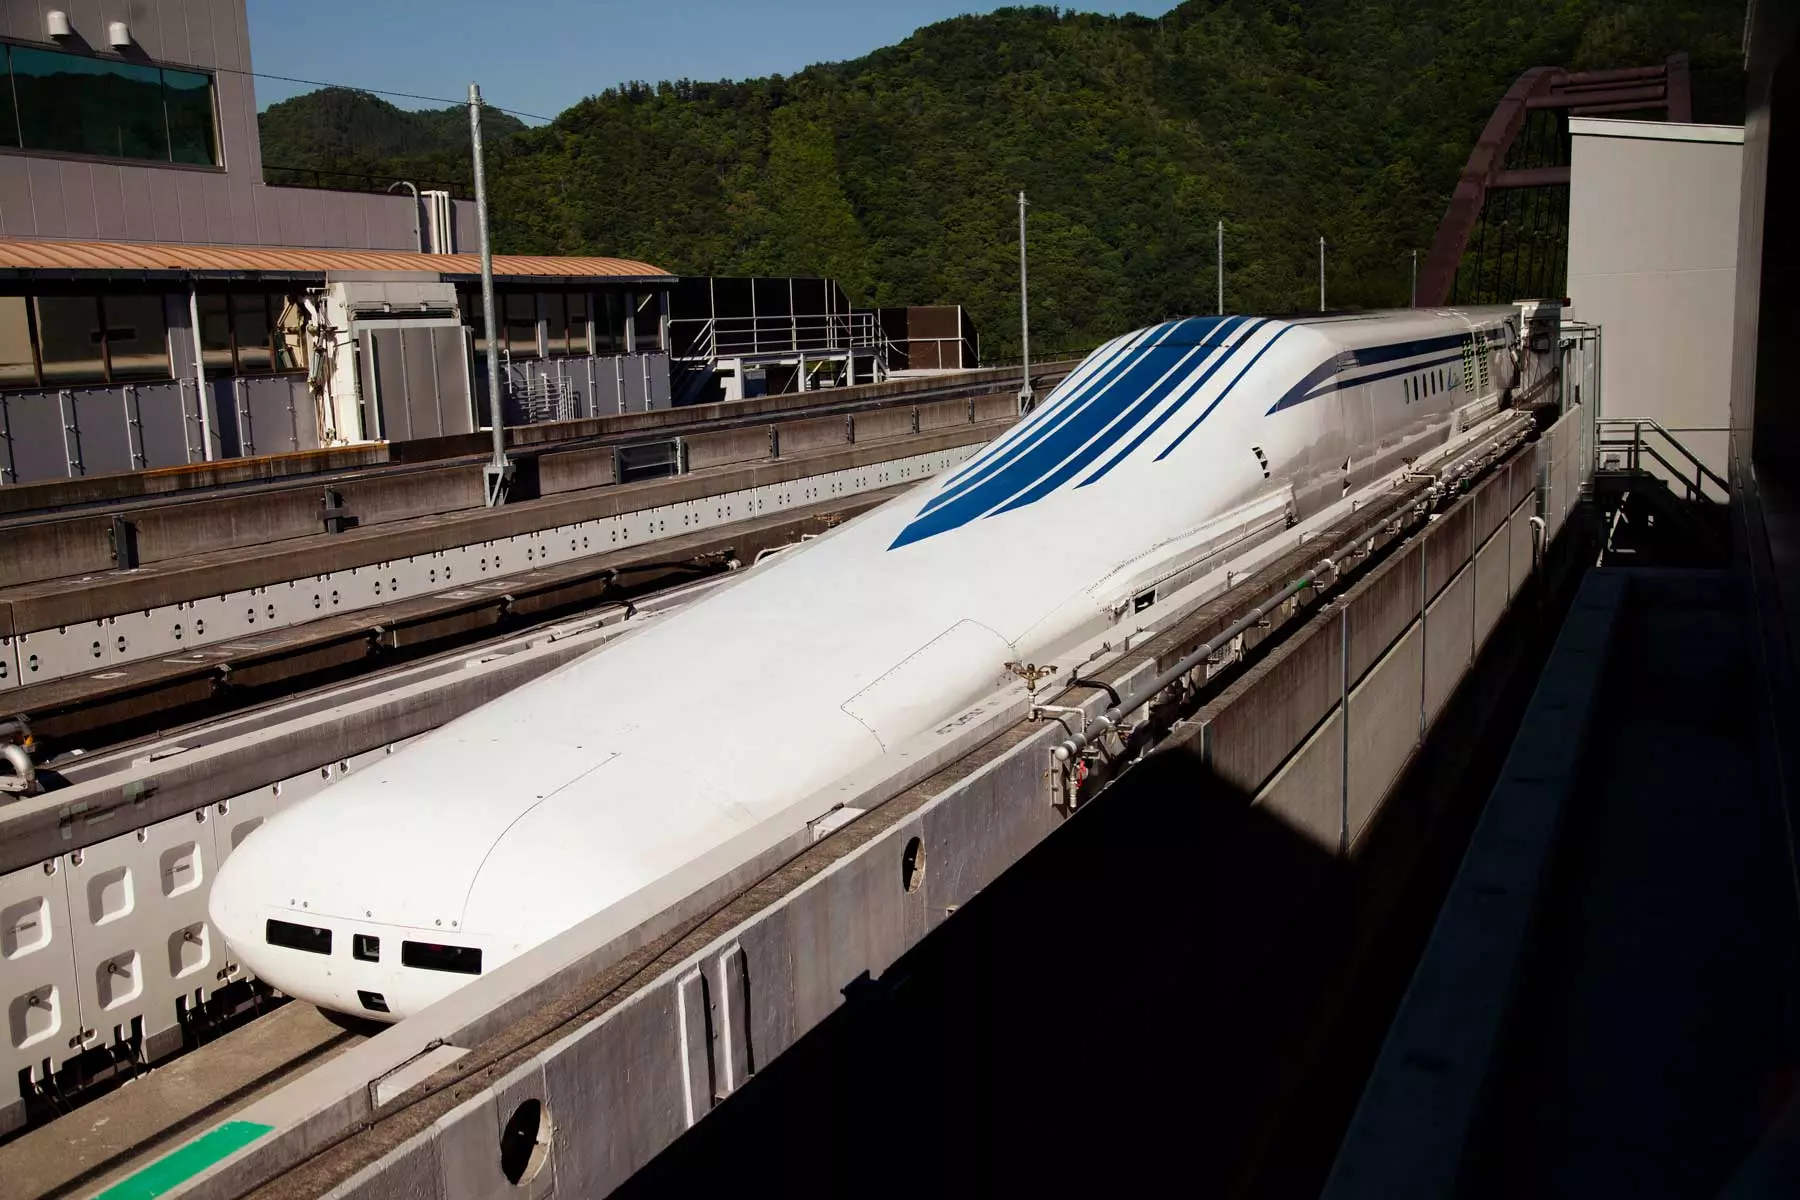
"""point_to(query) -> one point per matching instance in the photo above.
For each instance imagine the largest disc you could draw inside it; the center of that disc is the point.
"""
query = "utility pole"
(1321, 274)
(1027, 400)
(1415, 288)
(1221, 268)
(497, 475)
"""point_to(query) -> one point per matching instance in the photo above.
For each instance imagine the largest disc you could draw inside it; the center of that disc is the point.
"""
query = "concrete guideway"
(69, 627)
(107, 878)
(265, 500)
(697, 1009)
(1602, 1006)
(82, 708)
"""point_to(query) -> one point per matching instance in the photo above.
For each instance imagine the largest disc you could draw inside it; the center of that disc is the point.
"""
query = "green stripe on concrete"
(178, 1166)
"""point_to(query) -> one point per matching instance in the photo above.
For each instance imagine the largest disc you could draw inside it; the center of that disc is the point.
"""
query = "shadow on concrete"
(1174, 991)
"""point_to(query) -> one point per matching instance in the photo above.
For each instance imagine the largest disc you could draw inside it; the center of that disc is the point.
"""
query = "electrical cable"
(352, 87)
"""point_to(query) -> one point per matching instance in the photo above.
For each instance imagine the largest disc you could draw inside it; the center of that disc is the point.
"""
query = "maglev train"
(491, 834)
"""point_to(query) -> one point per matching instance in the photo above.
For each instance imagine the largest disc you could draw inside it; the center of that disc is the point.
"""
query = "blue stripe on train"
(1061, 401)
(1050, 420)
(1219, 360)
(1135, 386)
(1325, 373)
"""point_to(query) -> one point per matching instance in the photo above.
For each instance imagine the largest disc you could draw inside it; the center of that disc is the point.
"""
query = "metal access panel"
(101, 424)
(271, 419)
(138, 912)
(162, 414)
(35, 436)
(37, 980)
(415, 382)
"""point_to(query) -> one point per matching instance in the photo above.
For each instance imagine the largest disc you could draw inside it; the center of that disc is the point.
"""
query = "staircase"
(1659, 504)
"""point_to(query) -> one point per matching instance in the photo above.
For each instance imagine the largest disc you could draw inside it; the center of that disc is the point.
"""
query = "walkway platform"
(1610, 1001)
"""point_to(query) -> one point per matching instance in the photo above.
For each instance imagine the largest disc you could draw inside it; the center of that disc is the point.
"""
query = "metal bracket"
(124, 543)
(496, 480)
(336, 516)
(1066, 779)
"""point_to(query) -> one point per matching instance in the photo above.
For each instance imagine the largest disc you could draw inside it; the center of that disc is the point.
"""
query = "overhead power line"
(356, 87)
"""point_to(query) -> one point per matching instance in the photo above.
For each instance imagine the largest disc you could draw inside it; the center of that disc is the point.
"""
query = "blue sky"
(540, 56)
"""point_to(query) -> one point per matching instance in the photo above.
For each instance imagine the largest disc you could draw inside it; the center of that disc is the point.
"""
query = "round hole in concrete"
(912, 865)
(525, 1143)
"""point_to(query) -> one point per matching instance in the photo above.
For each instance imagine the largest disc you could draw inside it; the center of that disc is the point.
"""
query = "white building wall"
(1653, 210)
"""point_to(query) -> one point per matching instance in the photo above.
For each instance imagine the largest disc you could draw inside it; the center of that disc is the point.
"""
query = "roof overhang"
(44, 258)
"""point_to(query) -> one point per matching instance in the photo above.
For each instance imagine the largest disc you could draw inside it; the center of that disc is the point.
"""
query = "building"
(161, 304)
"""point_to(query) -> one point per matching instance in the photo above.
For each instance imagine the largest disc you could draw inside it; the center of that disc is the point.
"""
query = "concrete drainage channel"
(505, 1083)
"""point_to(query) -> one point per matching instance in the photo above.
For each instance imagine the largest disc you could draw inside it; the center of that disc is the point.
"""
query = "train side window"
(428, 956)
(311, 938)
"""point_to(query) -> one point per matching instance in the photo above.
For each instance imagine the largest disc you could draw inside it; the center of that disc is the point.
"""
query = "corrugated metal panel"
(46, 255)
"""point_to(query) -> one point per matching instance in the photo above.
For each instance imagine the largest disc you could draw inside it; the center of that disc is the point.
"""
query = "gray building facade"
(80, 159)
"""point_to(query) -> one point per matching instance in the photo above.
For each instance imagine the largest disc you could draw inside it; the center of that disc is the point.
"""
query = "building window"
(79, 104)
(18, 365)
(556, 323)
(648, 324)
(609, 324)
(137, 337)
(86, 339)
(518, 313)
(249, 333)
(565, 322)
(468, 300)
(578, 323)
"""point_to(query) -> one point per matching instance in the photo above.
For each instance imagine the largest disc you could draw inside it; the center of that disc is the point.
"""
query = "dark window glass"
(215, 332)
(578, 323)
(610, 324)
(188, 102)
(649, 322)
(311, 938)
(9, 114)
(556, 321)
(518, 313)
(17, 366)
(250, 328)
(80, 104)
(84, 105)
(69, 339)
(427, 956)
(469, 300)
(137, 337)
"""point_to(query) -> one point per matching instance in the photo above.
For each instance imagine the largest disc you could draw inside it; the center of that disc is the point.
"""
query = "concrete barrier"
(814, 434)
(574, 470)
(751, 444)
(937, 414)
(883, 424)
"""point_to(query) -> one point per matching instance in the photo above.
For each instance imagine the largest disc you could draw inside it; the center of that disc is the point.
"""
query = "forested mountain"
(896, 172)
(341, 130)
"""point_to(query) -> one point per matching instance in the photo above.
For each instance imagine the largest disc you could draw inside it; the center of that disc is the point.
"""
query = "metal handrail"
(825, 332)
(1637, 447)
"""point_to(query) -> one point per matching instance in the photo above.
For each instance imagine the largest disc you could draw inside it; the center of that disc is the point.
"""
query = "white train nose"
(346, 901)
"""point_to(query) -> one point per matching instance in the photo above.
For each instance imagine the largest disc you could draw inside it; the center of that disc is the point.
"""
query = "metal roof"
(40, 255)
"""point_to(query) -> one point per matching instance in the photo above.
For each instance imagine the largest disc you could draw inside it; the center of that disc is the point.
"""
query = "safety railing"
(732, 337)
(1635, 443)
